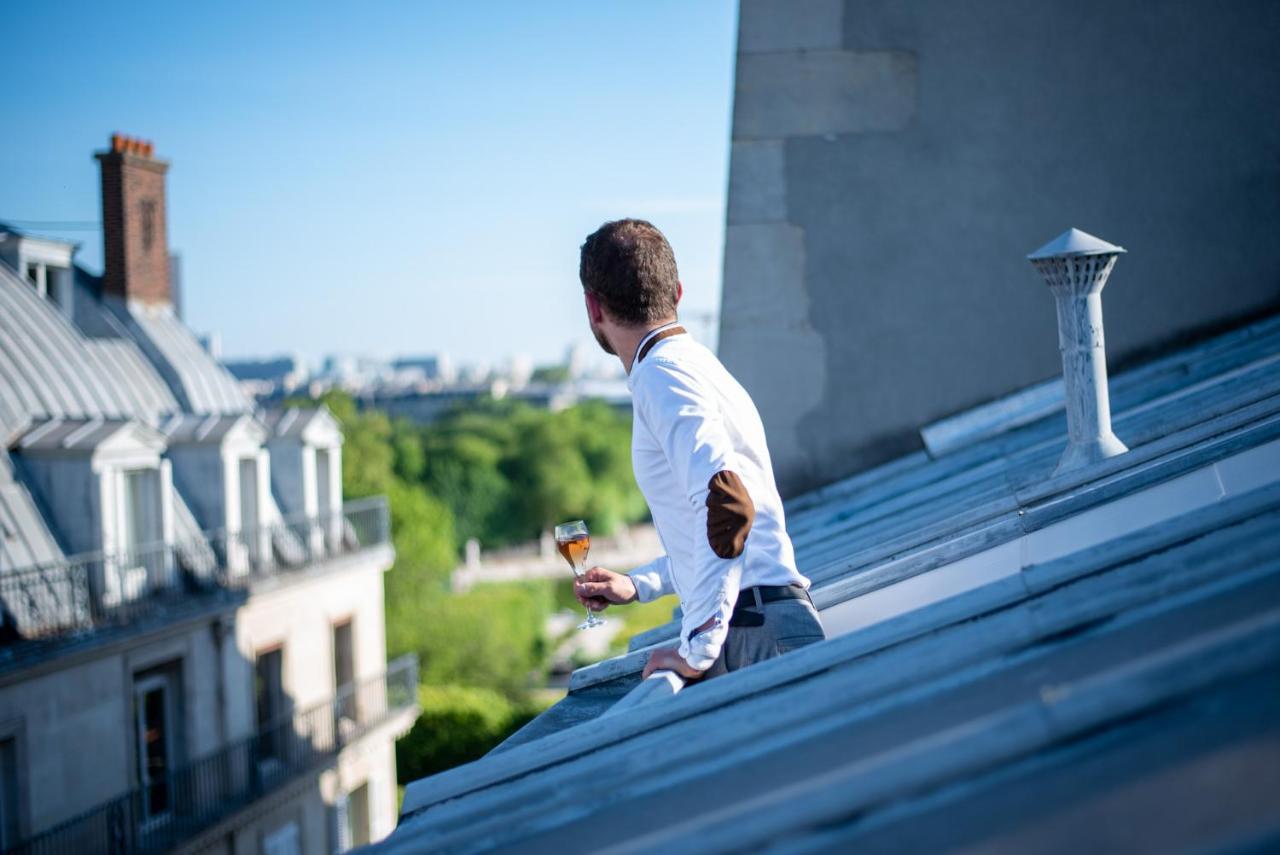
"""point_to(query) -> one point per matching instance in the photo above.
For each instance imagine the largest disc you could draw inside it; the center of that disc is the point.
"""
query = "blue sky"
(383, 178)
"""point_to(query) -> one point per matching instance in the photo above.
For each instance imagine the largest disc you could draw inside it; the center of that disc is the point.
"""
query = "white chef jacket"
(692, 419)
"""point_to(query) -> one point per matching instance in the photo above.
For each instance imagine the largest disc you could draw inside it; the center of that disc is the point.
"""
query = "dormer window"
(113, 468)
(224, 474)
(44, 262)
(306, 472)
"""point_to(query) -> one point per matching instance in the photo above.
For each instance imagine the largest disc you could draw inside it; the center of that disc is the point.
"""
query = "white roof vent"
(1076, 266)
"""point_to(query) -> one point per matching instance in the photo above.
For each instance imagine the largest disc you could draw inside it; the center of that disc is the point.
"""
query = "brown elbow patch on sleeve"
(729, 514)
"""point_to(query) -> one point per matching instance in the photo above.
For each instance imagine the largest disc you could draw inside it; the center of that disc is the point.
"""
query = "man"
(700, 459)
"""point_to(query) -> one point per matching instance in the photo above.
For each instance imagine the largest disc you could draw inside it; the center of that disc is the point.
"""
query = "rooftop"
(1010, 653)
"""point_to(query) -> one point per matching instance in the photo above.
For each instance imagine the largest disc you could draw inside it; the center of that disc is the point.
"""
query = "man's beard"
(602, 341)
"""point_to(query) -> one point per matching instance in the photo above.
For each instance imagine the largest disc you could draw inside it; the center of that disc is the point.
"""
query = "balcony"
(165, 812)
(85, 593)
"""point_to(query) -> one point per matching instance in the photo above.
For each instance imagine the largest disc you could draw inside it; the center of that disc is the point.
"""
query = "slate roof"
(72, 383)
(1015, 657)
(49, 370)
(25, 540)
(188, 427)
(78, 435)
(197, 380)
(293, 422)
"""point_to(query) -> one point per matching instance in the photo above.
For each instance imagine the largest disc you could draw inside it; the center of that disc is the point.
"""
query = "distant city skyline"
(413, 179)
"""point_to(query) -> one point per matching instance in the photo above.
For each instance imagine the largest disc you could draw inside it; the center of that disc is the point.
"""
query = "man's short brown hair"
(629, 266)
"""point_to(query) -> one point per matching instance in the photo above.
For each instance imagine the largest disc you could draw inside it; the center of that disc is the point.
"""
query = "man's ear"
(594, 310)
(679, 291)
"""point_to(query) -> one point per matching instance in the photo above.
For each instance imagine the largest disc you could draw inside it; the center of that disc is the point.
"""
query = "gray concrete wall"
(892, 164)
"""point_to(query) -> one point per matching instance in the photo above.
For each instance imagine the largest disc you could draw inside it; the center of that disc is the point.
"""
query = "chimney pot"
(117, 142)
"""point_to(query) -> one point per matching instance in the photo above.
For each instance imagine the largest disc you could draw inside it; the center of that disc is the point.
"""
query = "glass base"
(592, 621)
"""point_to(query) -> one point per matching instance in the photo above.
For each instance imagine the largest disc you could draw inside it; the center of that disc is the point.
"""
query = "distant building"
(175, 283)
(192, 646)
(436, 368)
(576, 359)
(271, 376)
(427, 407)
(519, 370)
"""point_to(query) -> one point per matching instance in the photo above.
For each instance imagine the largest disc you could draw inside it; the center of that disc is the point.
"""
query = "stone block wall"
(893, 163)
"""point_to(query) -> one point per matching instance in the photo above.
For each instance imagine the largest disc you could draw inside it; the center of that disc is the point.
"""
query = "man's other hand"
(598, 587)
(669, 659)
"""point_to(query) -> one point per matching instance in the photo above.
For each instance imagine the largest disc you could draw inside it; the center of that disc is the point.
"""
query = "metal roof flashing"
(85, 436)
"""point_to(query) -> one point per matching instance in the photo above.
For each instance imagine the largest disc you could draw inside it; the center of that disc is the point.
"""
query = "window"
(139, 535)
(324, 495)
(249, 504)
(139, 520)
(268, 689)
(350, 819)
(344, 670)
(55, 287)
(285, 840)
(9, 826)
(33, 276)
(156, 716)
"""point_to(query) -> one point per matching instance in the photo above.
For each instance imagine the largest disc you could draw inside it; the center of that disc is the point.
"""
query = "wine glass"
(574, 541)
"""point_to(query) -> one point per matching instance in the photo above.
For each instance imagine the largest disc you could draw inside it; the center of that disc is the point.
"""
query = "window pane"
(269, 692)
(344, 670)
(141, 509)
(8, 793)
(155, 751)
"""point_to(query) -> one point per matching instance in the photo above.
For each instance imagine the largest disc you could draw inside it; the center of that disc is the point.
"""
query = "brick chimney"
(134, 236)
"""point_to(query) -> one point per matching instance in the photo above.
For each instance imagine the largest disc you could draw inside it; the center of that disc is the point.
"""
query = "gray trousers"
(786, 625)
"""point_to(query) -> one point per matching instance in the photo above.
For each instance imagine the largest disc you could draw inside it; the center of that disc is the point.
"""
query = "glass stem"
(578, 571)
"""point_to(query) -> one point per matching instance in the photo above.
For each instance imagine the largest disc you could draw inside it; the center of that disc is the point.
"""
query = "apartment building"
(192, 646)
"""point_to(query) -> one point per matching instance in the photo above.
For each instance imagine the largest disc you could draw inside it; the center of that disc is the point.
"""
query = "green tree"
(462, 469)
(457, 725)
(490, 637)
(549, 477)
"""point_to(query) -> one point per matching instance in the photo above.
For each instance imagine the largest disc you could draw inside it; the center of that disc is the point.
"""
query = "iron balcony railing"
(163, 813)
(90, 591)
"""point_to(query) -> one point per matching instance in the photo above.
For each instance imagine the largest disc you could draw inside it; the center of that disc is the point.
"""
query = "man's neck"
(625, 341)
